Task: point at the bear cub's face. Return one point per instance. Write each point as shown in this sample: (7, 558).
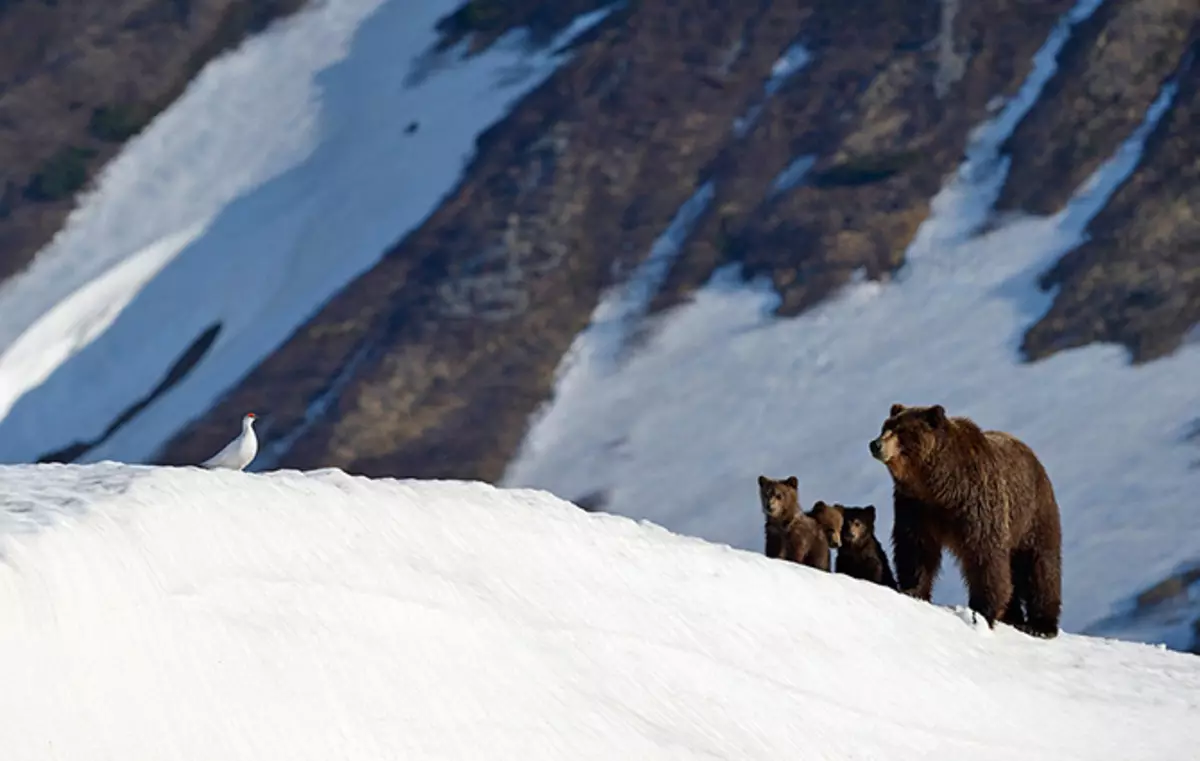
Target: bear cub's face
(778, 498)
(907, 437)
(858, 525)
(829, 518)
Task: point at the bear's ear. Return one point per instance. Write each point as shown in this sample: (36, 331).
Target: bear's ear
(792, 481)
(869, 511)
(896, 409)
(820, 505)
(936, 415)
(763, 481)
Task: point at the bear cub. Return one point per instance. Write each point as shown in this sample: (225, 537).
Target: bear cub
(861, 556)
(791, 534)
(829, 518)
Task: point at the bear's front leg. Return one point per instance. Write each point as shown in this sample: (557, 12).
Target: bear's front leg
(917, 554)
(773, 543)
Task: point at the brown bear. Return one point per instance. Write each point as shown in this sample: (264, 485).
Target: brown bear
(983, 495)
(861, 556)
(790, 533)
(829, 518)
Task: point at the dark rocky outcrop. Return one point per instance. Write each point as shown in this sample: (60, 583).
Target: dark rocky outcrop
(78, 78)
(1109, 73)
(886, 108)
(1170, 605)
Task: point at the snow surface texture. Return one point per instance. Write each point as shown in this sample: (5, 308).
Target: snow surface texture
(155, 613)
(283, 172)
(722, 392)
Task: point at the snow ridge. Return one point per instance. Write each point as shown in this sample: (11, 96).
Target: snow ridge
(188, 614)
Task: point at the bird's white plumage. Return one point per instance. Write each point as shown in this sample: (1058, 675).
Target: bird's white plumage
(238, 453)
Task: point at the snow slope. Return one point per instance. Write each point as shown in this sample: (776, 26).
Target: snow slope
(154, 613)
(722, 392)
(282, 173)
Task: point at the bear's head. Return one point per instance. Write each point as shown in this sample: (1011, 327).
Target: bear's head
(779, 498)
(858, 525)
(908, 438)
(829, 518)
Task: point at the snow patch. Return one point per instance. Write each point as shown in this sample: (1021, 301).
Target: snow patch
(795, 58)
(596, 353)
(793, 174)
(951, 62)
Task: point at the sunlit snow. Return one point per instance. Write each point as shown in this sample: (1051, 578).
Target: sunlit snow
(161, 613)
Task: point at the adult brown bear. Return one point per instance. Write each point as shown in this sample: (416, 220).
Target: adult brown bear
(985, 496)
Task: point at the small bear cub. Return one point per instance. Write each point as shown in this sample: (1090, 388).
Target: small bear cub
(830, 519)
(861, 556)
(791, 534)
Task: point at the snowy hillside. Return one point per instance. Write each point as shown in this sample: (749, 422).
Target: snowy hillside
(719, 391)
(177, 613)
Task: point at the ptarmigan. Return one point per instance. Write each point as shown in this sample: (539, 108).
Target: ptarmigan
(238, 453)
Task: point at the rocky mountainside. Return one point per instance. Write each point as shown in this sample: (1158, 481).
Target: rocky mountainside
(430, 364)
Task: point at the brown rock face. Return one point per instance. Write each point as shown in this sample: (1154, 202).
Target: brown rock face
(1109, 73)
(77, 79)
(885, 108)
(1137, 281)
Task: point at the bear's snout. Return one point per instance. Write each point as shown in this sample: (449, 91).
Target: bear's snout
(876, 447)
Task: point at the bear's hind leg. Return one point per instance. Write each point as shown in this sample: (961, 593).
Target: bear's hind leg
(1044, 603)
(1022, 569)
(989, 585)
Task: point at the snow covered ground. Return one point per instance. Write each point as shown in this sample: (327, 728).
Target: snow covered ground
(282, 173)
(154, 613)
(722, 392)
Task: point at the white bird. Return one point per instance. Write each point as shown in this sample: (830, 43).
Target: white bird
(238, 453)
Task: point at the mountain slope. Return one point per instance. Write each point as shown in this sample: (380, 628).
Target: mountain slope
(426, 363)
(153, 613)
(284, 171)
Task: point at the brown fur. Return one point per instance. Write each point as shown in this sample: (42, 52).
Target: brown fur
(861, 556)
(790, 533)
(829, 518)
(983, 495)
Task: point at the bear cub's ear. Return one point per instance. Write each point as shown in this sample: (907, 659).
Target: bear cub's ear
(870, 513)
(763, 481)
(936, 415)
(896, 409)
(792, 481)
